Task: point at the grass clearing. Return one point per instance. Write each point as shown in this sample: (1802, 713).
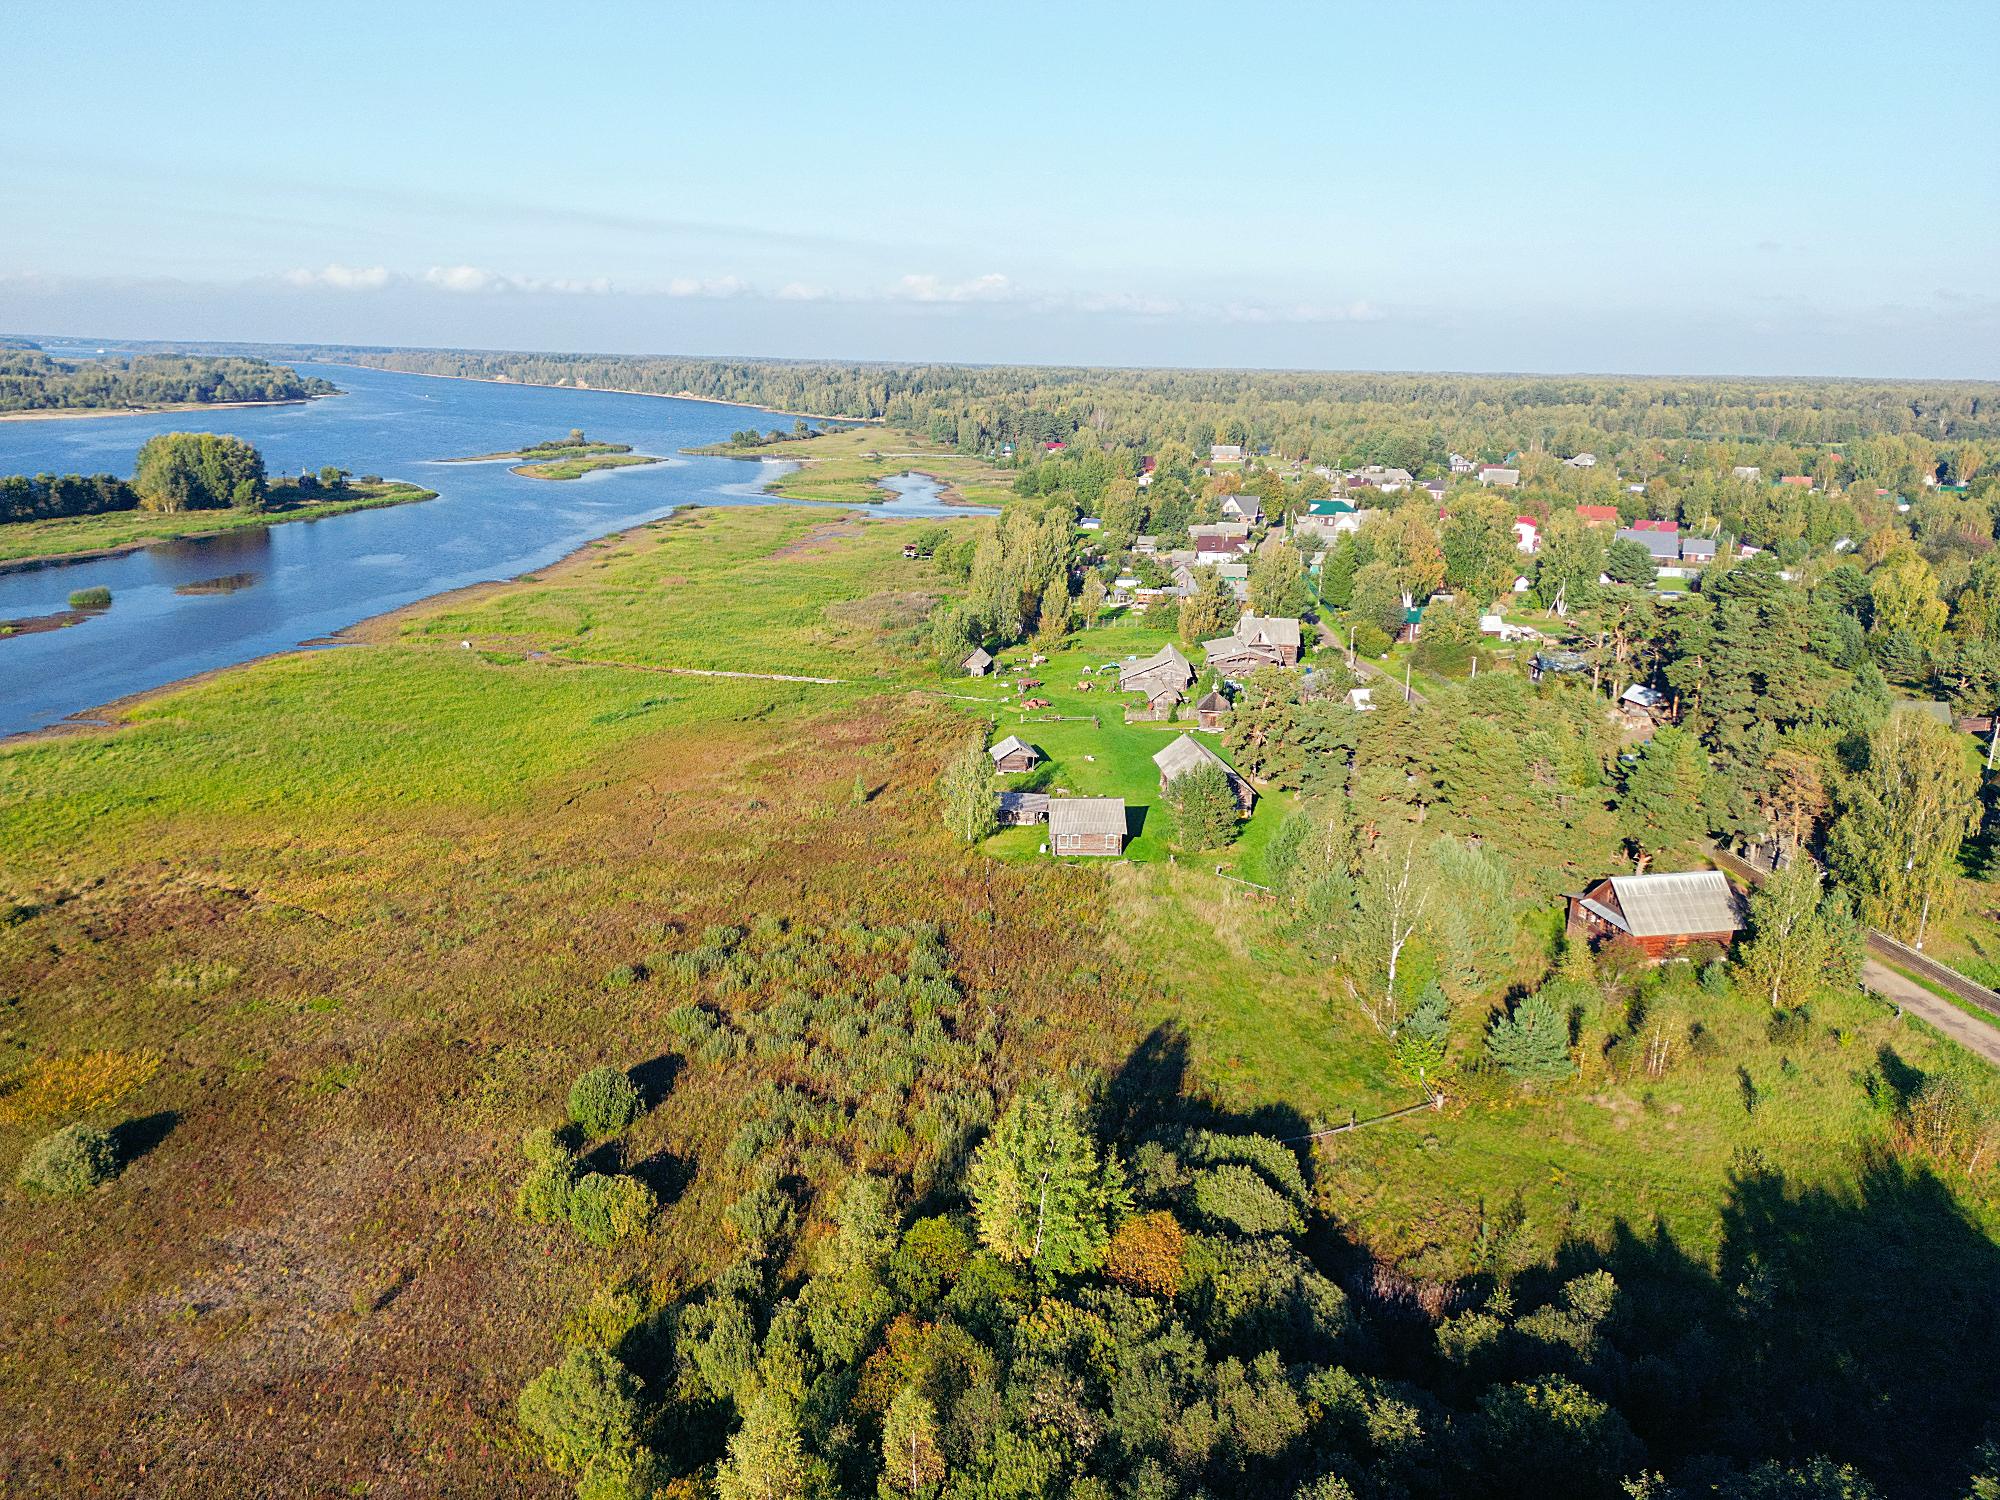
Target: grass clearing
(845, 466)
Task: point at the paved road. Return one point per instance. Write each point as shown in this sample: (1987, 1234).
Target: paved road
(1974, 1036)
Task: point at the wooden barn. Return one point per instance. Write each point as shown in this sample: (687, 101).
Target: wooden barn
(1013, 755)
(1017, 809)
(1166, 667)
(979, 663)
(1187, 752)
(1087, 825)
(1211, 709)
(1663, 913)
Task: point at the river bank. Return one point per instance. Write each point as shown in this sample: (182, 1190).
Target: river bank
(606, 390)
(72, 413)
(26, 545)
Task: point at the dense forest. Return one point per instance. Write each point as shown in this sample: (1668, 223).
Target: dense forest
(1411, 420)
(32, 381)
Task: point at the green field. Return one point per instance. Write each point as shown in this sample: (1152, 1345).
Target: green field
(577, 467)
(846, 465)
(122, 530)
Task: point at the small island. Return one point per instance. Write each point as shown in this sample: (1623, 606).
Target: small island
(184, 484)
(570, 457)
(33, 385)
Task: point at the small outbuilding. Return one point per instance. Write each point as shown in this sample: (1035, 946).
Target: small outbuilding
(1186, 753)
(1018, 809)
(1663, 913)
(1014, 755)
(979, 663)
(1086, 825)
(1211, 709)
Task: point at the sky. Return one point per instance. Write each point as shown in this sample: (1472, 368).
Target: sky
(1683, 188)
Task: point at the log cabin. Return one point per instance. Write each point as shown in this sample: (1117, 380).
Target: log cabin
(1086, 825)
(1662, 912)
(1014, 755)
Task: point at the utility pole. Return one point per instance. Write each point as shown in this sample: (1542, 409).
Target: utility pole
(1993, 743)
(1406, 679)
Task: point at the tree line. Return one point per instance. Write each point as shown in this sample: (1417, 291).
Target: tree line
(173, 472)
(32, 381)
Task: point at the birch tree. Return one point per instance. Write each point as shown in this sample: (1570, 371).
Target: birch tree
(1040, 1191)
(1896, 843)
(1394, 893)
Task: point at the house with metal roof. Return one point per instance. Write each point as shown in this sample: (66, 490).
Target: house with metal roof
(1662, 913)
(1664, 545)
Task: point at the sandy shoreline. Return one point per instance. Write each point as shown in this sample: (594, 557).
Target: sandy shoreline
(608, 390)
(74, 413)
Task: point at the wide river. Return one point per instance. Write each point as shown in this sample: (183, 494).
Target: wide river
(276, 587)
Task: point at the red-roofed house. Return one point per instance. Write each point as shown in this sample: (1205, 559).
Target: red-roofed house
(1804, 481)
(1656, 526)
(1598, 515)
(1527, 533)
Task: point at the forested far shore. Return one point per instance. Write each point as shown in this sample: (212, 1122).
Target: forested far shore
(31, 381)
(1319, 417)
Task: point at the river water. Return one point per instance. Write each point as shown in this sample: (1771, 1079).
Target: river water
(273, 588)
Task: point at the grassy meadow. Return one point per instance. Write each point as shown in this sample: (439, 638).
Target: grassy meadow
(325, 933)
(845, 466)
(120, 531)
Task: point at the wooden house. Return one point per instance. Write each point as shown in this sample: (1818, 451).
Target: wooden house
(979, 663)
(1243, 507)
(1257, 641)
(1086, 825)
(1186, 753)
(1014, 755)
(1018, 809)
(1211, 709)
(1663, 913)
(1165, 668)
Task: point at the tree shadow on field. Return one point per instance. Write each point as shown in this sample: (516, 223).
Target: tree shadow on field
(655, 1077)
(137, 1137)
(1856, 1320)
(1150, 1091)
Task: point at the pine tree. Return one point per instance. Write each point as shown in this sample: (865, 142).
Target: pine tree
(1204, 808)
(1664, 805)
(1424, 1036)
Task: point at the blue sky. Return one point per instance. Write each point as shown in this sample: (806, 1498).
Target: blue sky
(1689, 188)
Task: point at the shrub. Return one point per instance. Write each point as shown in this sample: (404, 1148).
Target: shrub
(932, 1255)
(1148, 1254)
(73, 1160)
(1234, 1195)
(545, 1193)
(583, 1411)
(604, 1101)
(97, 598)
(605, 1210)
(1532, 1040)
(1370, 640)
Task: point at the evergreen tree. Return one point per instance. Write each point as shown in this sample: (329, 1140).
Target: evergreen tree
(1531, 1041)
(1424, 1036)
(1664, 806)
(1204, 808)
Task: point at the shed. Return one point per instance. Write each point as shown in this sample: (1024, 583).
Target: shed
(979, 663)
(1662, 913)
(1185, 754)
(1014, 754)
(1017, 809)
(1211, 709)
(1166, 668)
(1087, 825)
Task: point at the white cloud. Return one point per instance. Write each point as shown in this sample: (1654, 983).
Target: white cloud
(992, 287)
(479, 279)
(341, 278)
(799, 291)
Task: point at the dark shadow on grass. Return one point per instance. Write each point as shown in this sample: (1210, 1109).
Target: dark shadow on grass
(667, 1174)
(136, 1138)
(655, 1077)
(1855, 1320)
